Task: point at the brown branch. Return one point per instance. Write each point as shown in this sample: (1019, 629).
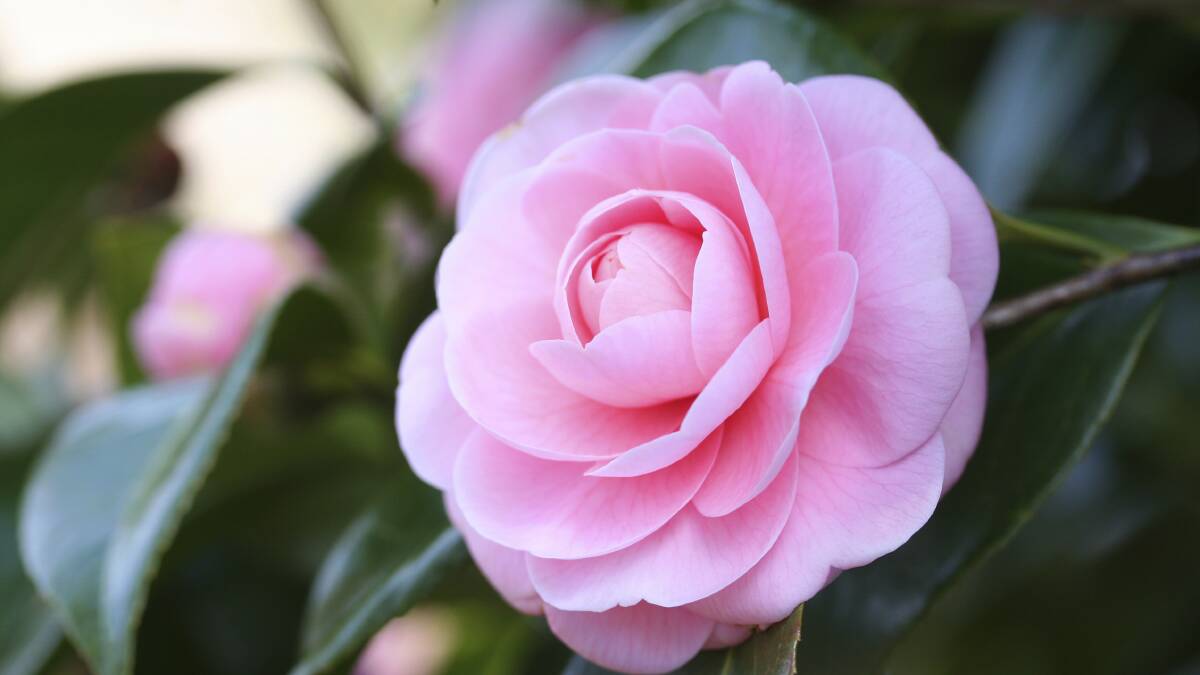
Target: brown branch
(1125, 272)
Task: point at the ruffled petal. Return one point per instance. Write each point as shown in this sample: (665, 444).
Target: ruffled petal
(964, 422)
(431, 424)
(553, 509)
(638, 639)
(842, 518)
(688, 559)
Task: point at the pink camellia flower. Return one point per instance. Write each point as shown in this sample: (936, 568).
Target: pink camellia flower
(208, 289)
(703, 341)
(497, 57)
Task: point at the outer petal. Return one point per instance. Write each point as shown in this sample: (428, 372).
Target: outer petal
(503, 567)
(906, 355)
(964, 422)
(503, 388)
(856, 113)
(842, 518)
(568, 111)
(639, 361)
(639, 639)
(688, 559)
(762, 433)
(431, 424)
(975, 257)
(785, 157)
(552, 509)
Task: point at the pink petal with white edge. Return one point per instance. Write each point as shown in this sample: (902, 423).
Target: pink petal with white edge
(906, 356)
(689, 558)
(431, 424)
(500, 384)
(553, 509)
(503, 567)
(565, 112)
(842, 518)
(761, 435)
(725, 393)
(964, 422)
(785, 157)
(857, 113)
(639, 639)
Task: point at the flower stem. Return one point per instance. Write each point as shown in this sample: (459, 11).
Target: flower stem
(1128, 271)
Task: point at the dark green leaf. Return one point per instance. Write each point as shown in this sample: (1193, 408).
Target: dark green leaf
(376, 224)
(28, 632)
(1053, 386)
(701, 35)
(126, 252)
(107, 498)
(57, 147)
(385, 562)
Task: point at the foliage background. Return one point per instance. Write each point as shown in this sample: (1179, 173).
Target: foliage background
(285, 528)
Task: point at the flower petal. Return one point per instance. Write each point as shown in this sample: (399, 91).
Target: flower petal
(638, 639)
(689, 558)
(762, 433)
(500, 384)
(503, 567)
(553, 509)
(964, 422)
(842, 518)
(431, 424)
(566, 112)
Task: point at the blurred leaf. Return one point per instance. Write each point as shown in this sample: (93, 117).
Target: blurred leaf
(770, 652)
(57, 147)
(385, 562)
(1053, 386)
(1127, 232)
(126, 252)
(28, 632)
(375, 221)
(107, 498)
(701, 35)
(1042, 74)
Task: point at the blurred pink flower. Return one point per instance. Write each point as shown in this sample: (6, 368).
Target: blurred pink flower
(417, 643)
(703, 341)
(208, 289)
(495, 59)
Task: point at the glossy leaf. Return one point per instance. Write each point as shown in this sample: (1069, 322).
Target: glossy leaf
(57, 148)
(126, 252)
(376, 223)
(385, 562)
(701, 35)
(108, 495)
(1052, 387)
(28, 631)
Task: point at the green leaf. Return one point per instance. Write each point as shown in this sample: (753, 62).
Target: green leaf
(1053, 386)
(57, 148)
(28, 632)
(126, 252)
(377, 225)
(770, 652)
(108, 495)
(390, 558)
(701, 35)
